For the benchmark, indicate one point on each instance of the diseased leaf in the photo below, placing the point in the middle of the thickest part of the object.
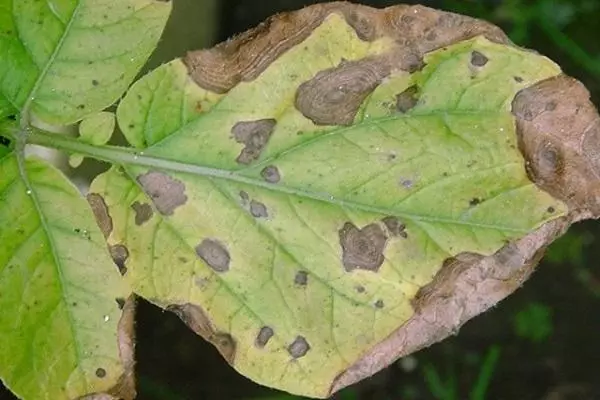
(63, 60)
(342, 186)
(62, 333)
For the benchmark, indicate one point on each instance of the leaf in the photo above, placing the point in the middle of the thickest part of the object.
(97, 129)
(343, 186)
(62, 60)
(62, 335)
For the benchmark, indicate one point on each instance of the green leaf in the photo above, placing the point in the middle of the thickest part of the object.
(295, 238)
(62, 60)
(59, 289)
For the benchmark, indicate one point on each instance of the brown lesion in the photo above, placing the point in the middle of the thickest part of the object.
(143, 212)
(166, 192)
(101, 213)
(415, 30)
(558, 130)
(197, 319)
(362, 248)
(333, 96)
(254, 135)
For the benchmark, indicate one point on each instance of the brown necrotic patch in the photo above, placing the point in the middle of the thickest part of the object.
(101, 373)
(258, 209)
(362, 248)
(271, 174)
(333, 96)
(119, 254)
(100, 210)
(301, 278)
(167, 193)
(196, 318)
(298, 348)
(395, 227)
(143, 212)
(254, 135)
(406, 100)
(214, 254)
(478, 59)
(263, 337)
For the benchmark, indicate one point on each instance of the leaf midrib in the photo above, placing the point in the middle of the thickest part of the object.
(128, 156)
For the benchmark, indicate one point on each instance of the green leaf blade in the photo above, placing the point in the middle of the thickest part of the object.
(74, 57)
(59, 288)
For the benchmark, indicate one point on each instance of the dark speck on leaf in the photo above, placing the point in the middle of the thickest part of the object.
(478, 59)
(4, 141)
(474, 201)
(120, 302)
(551, 210)
(101, 373)
(301, 278)
(80, 107)
(265, 334)
(518, 79)
(95, 82)
(379, 304)
(299, 347)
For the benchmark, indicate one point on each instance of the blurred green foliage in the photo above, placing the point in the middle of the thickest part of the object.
(534, 322)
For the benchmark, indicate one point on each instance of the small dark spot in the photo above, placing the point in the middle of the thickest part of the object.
(299, 347)
(362, 248)
(431, 36)
(131, 126)
(95, 82)
(301, 278)
(119, 254)
(254, 135)
(80, 106)
(182, 260)
(518, 79)
(101, 373)
(101, 213)
(391, 156)
(214, 254)
(143, 212)
(120, 302)
(550, 106)
(271, 174)
(244, 196)
(258, 209)
(478, 59)
(4, 141)
(474, 201)
(407, 183)
(551, 210)
(407, 99)
(379, 304)
(395, 227)
(167, 193)
(12, 117)
(263, 337)
(360, 288)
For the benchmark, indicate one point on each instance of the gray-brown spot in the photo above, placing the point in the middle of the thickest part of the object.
(271, 174)
(395, 227)
(478, 59)
(143, 212)
(100, 210)
(195, 317)
(258, 209)
(214, 254)
(245, 197)
(333, 96)
(360, 288)
(254, 135)
(119, 254)
(379, 304)
(301, 278)
(166, 192)
(362, 248)
(101, 373)
(299, 347)
(263, 337)
(407, 99)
